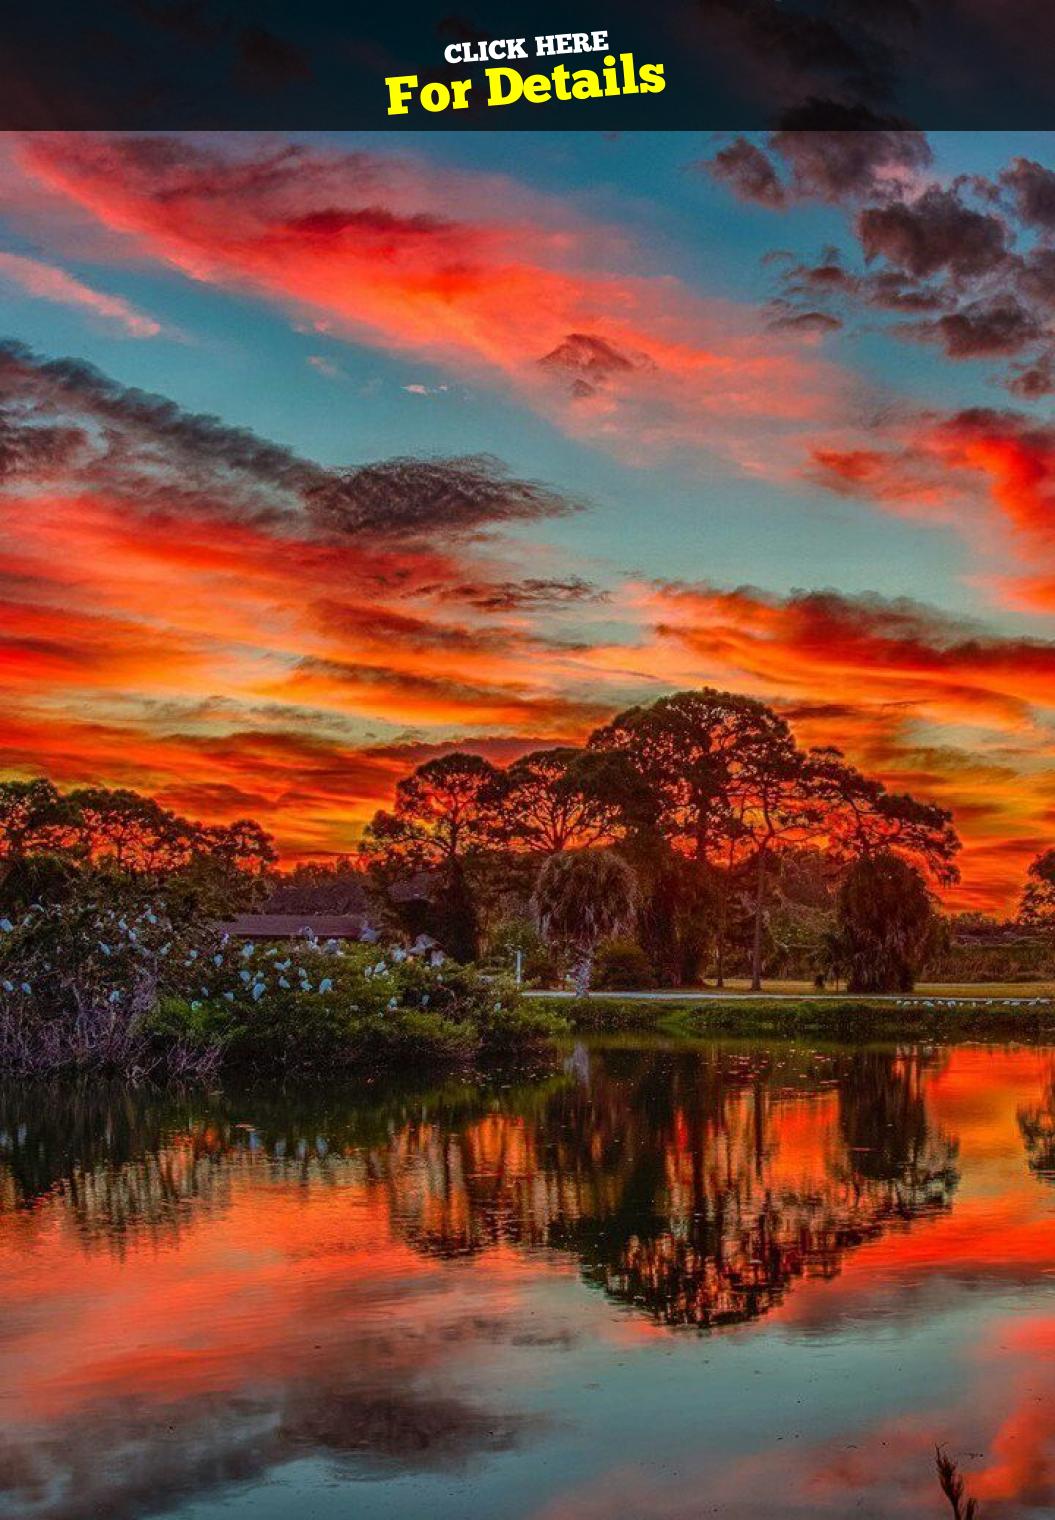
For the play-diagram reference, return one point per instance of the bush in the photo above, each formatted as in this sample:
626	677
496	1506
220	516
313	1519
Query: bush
622	965
326	1007
79	978
885	923
538	965
88	984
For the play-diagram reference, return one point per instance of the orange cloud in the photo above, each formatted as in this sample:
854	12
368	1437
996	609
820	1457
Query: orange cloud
987	471
932	704
367	247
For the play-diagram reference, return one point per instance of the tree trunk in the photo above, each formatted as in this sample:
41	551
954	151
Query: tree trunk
719	949
756	948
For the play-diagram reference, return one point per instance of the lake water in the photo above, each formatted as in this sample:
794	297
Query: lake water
673	1281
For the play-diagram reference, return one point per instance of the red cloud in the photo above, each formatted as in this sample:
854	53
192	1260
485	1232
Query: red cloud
368	248
931	704
956	467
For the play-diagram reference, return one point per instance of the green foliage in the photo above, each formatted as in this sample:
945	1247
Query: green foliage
110	979
80	976
846	1019
679	906
581	898
324	1008
885	921
38	878
509	935
622	964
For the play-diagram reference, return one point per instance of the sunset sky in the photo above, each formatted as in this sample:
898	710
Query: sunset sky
772	415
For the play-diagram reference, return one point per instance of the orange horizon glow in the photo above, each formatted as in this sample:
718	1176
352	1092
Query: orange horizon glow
172	621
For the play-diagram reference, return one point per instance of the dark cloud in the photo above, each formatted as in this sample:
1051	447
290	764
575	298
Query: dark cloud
589	362
984	328
1035	276
530	595
1032	190
1035	380
785	318
936	233
850	165
892	291
749	173
963	257
826	165
64	412
412	496
63	419
380	625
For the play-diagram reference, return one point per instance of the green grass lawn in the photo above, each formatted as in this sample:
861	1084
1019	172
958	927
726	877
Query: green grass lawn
923	989
997	1012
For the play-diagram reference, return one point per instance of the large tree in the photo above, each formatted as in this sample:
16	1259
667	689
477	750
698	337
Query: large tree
685	748
722	776
862	818
447	814
723	782
560	799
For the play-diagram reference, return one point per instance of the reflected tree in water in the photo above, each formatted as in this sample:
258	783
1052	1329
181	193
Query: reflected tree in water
696	1185
1037	1127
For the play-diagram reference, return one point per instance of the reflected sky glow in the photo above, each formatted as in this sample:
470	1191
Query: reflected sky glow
772	1276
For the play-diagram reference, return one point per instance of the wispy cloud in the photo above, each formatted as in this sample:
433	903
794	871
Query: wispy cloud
47	282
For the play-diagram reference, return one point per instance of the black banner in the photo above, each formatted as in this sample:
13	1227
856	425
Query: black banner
685	64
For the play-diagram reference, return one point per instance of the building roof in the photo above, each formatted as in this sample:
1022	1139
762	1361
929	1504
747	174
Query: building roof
296	925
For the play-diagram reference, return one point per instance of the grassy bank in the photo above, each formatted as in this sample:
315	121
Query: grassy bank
832	1017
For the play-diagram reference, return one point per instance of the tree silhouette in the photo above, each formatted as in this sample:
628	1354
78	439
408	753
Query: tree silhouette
1037	905
447	814
559	799
885	920
34	818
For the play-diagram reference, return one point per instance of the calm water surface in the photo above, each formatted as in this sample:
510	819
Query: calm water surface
674	1281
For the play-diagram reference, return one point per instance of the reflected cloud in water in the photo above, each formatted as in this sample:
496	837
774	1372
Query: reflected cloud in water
213	1288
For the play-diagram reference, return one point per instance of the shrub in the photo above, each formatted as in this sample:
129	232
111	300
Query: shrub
91	985
538	964
79	978
622	965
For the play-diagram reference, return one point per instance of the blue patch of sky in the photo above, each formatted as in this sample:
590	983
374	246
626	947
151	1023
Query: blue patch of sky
243	359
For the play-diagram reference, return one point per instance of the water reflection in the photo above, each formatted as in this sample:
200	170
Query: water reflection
211	1287
695	1184
1037	1124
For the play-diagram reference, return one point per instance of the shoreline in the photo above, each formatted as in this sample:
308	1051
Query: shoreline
853	1020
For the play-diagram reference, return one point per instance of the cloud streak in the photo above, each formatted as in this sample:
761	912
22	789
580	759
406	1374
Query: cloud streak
49	283
529	300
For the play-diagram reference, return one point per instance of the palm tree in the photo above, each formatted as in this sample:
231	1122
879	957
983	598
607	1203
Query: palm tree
582	897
